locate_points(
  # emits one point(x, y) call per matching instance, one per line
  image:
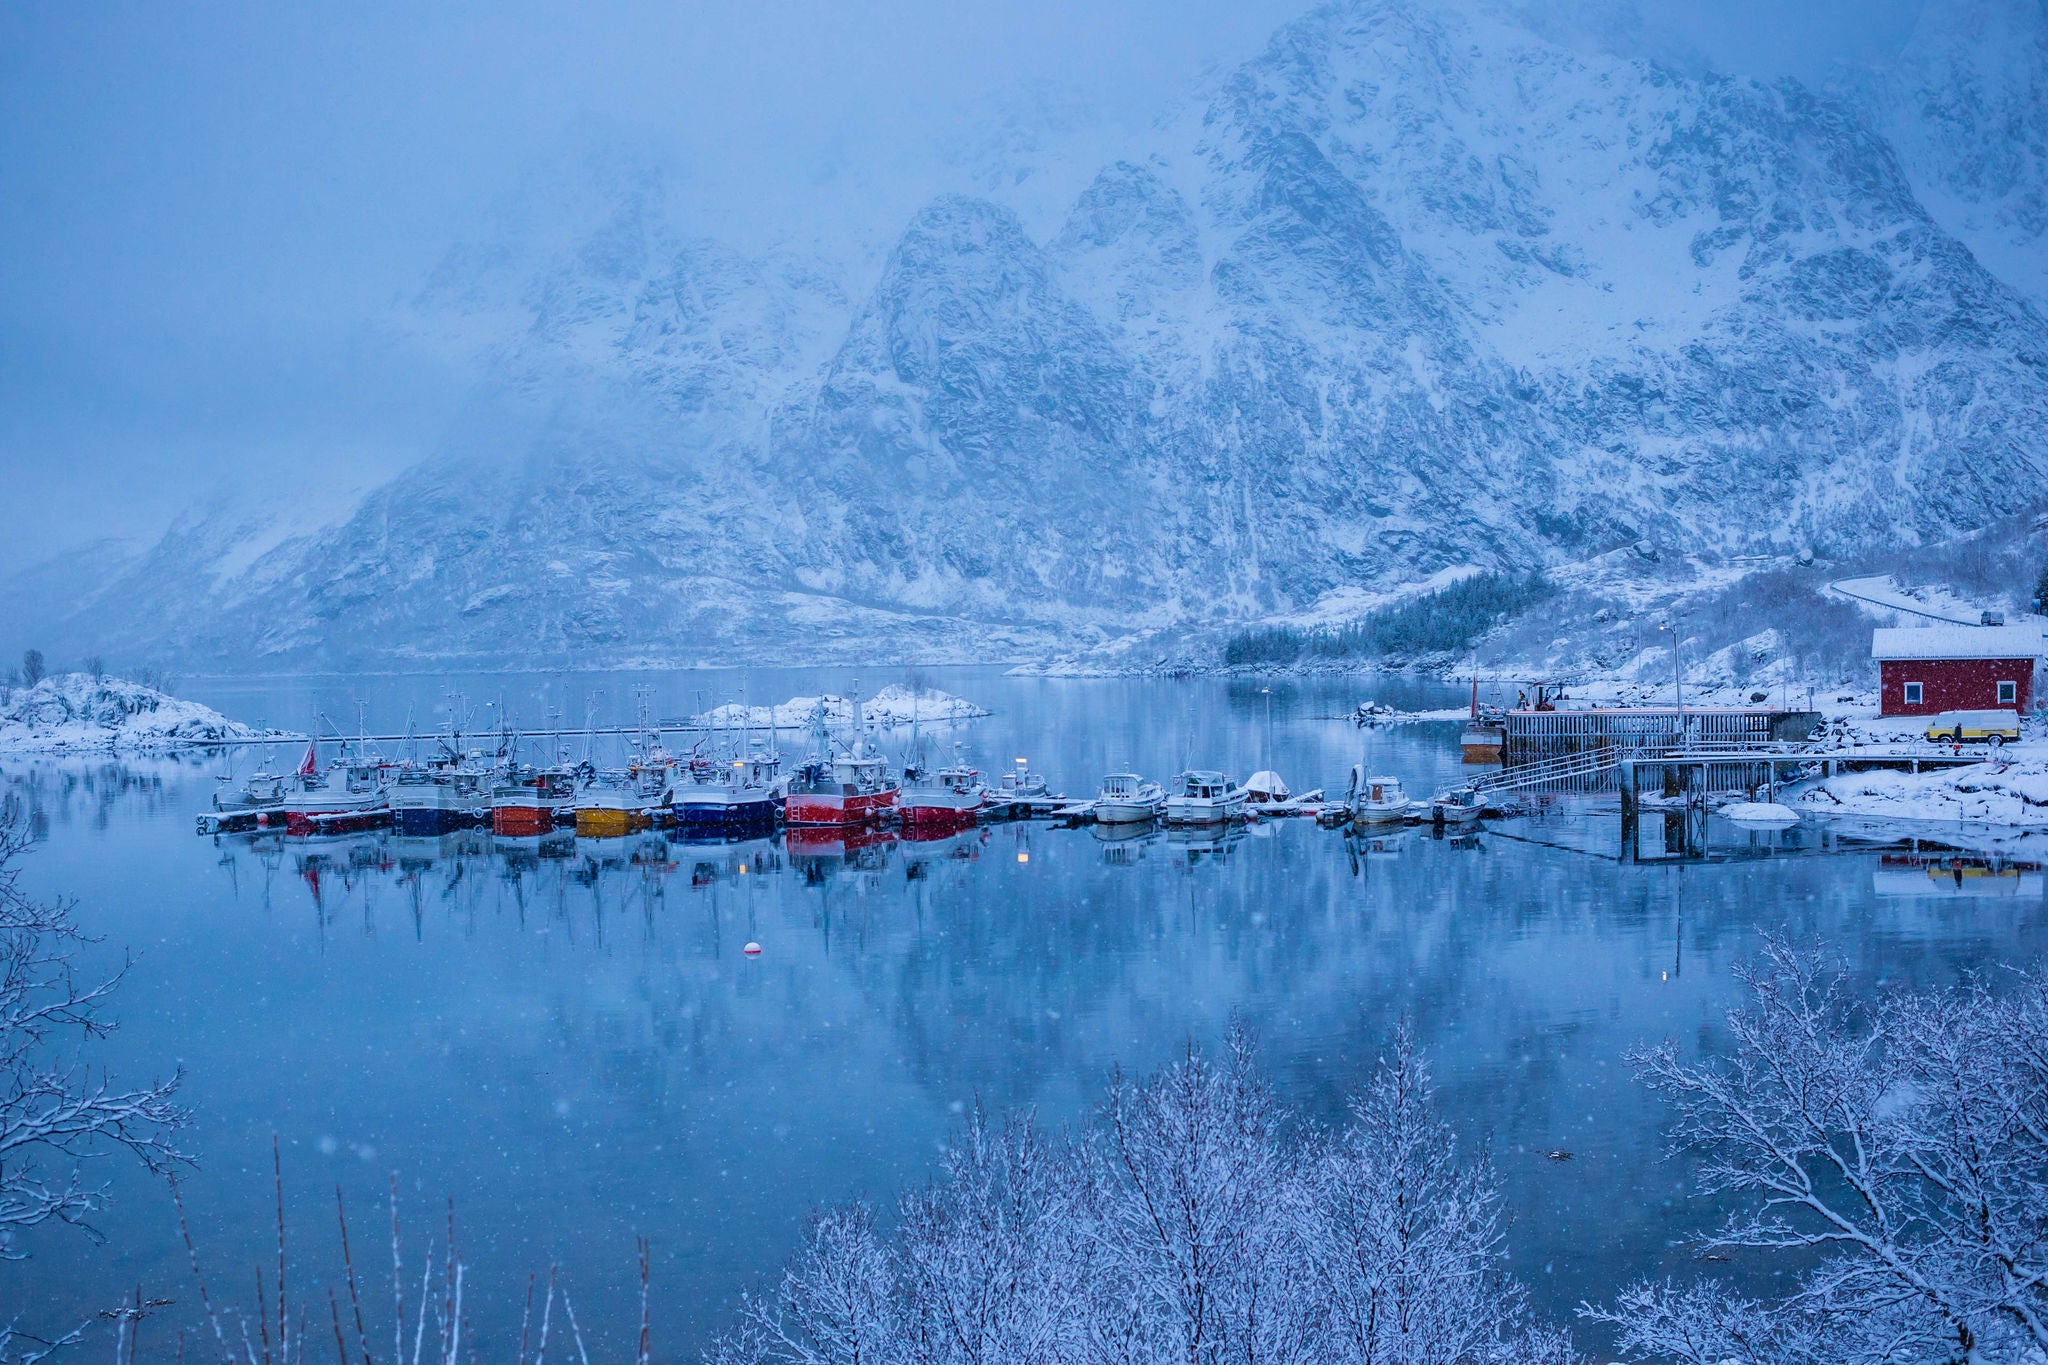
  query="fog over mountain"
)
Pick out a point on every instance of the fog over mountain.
point(1412, 287)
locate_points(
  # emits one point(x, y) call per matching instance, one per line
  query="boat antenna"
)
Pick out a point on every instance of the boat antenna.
point(916, 755)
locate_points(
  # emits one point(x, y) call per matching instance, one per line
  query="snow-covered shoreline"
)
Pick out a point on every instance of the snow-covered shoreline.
point(78, 713)
point(894, 705)
point(2007, 792)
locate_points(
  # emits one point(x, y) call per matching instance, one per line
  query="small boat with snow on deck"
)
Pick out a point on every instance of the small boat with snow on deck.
point(1458, 806)
point(1024, 785)
point(1128, 799)
point(1380, 801)
point(1203, 796)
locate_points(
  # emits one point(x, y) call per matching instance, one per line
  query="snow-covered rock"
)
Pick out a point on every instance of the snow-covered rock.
point(76, 711)
point(1759, 813)
point(2012, 793)
point(894, 705)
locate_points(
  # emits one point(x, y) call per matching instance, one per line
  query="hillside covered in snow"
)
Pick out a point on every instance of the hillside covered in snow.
point(1416, 288)
point(77, 712)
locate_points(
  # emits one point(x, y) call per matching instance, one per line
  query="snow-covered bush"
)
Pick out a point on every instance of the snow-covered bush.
point(1193, 1222)
point(1896, 1158)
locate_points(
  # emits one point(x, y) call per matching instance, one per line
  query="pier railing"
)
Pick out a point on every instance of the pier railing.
point(1574, 769)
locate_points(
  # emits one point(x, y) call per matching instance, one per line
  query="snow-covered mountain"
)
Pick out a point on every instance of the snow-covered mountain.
point(1415, 288)
point(1966, 106)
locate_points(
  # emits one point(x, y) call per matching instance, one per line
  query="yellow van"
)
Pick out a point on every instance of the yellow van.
point(1961, 727)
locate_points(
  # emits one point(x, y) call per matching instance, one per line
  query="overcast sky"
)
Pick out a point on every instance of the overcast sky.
point(208, 211)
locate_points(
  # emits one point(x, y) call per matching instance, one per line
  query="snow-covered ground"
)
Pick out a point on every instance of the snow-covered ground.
point(76, 712)
point(893, 705)
point(2011, 793)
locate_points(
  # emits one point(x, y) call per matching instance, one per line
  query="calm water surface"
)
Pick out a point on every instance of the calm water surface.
point(574, 1049)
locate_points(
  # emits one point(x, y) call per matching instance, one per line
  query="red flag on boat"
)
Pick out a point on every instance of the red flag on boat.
point(311, 764)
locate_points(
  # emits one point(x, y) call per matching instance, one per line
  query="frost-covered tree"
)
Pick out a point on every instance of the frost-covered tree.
point(996, 1261)
point(836, 1304)
point(56, 1110)
point(1407, 1242)
point(31, 667)
point(1193, 1224)
point(1896, 1154)
point(1202, 1213)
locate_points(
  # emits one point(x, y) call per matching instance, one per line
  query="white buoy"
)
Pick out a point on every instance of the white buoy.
point(752, 950)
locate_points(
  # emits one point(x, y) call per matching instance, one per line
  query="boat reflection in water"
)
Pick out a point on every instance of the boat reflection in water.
point(1935, 872)
point(809, 855)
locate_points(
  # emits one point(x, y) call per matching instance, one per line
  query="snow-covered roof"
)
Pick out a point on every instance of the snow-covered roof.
point(1956, 642)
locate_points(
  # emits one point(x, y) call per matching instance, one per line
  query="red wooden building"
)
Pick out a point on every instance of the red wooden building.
point(1928, 669)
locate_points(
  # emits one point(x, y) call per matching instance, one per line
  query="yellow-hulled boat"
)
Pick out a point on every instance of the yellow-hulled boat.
point(623, 803)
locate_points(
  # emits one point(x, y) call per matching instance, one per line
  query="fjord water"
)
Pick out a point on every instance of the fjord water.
point(574, 1049)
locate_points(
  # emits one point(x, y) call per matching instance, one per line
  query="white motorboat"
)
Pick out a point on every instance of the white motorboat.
point(1459, 806)
point(1380, 801)
point(1203, 797)
point(1022, 785)
point(1128, 799)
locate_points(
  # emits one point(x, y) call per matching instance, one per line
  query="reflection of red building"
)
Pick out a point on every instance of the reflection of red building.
point(1928, 669)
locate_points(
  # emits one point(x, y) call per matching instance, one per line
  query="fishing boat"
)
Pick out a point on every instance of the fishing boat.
point(842, 782)
point(730, 796)
point(951, 797)
point(347, 797)
point(1459, 806)
point(531, 802)
point(635, 798)
point(437, 799)
point(846, 789)
point(1380, 801)
point(624, 802)
point(1203, 797)
point(1128, 799)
